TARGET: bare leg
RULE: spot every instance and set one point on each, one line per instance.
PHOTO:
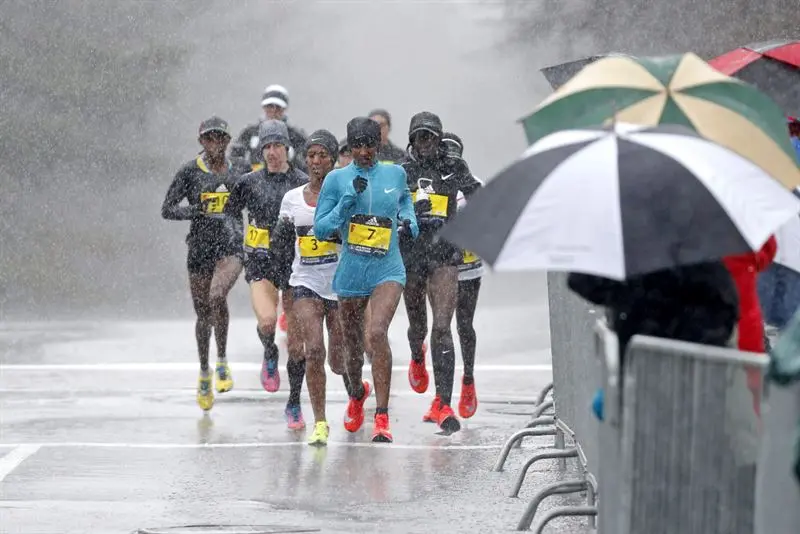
(226, 273)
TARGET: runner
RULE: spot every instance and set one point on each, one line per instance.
(344, 155)
(245, 152)
(214, 250)
(432, 264)
(470, 271)
(261, 192)
(363, 202)
(313, 265)
(388, 152)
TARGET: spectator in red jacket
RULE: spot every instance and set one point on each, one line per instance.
(744, 269)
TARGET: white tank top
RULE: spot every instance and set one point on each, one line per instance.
(315, 261)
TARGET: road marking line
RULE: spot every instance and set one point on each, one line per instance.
(13, 459)
(263, 445)
(236, 393)
(246, 366)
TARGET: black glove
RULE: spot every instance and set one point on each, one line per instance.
(422, 206)
(404, 231)
(430, 224)
(359, 184)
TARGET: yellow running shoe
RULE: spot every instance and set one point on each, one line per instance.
(319, 436)
(224, 377)
(205, 396)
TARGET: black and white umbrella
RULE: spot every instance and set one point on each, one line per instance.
(621, 201)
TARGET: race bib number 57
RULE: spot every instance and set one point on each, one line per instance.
(214, 202)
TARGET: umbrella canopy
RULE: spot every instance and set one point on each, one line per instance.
(773, 67)
(558, 75)
(621, 201)
(673, 90)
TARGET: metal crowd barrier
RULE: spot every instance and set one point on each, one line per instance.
(573, 424)
(777, 489)
(689, 441)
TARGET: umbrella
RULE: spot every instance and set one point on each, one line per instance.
(673, 90)
(773, 67)
(558, 75)
(621, 201)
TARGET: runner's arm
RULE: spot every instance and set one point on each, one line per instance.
(406, 211)
(283, 236)
(171, 208)
(329, 216)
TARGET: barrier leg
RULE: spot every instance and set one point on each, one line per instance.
(540, 421)
(517, 437)
(558, 488)
(564, 511)
(591, 498)
(560, 444)
(540, 409)
(544, 455)
(543, 394)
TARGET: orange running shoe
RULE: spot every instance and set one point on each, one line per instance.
(382, 433)
(283, 323)
(468, 403)
(354, 415)
(432, 415)
(447, 420)
(418, 374)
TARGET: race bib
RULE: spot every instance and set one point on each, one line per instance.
(369, 235)
(314, 251)
(256, 239)
(438, 204)
(214, 202)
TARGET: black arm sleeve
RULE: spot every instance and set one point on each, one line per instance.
(171, 208)
(282, 245)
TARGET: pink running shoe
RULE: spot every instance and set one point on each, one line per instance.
(270, 376)
(294, 417)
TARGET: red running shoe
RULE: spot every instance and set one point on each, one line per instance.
(432, 415)
(468, 403)
(382, 433)
(418, 374)
(447, 419)
(354, 415)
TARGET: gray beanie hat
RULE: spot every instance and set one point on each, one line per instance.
(272, 131)
(326, 140)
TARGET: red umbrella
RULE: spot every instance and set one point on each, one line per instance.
(773, 67)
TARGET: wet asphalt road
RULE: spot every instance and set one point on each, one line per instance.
(100, 433)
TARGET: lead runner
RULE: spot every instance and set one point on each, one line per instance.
(363, 202)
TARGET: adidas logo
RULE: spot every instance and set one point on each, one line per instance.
(310, 230)
(372, 222)
(222, 189)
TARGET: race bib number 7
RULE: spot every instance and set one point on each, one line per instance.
(369, 235)
(214, 202)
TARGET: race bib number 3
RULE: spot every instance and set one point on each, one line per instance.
(314, 251)
(438, 202)
(256, 238)
(369, 235)
(214, 202)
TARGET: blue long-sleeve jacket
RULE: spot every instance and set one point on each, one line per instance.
(339, 207)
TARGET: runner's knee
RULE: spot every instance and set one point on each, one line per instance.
(377, 336)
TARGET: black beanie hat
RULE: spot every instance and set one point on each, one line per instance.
(325, 139)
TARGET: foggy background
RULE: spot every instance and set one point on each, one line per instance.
(100, 104)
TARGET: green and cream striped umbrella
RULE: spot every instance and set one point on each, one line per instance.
(681, 89)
